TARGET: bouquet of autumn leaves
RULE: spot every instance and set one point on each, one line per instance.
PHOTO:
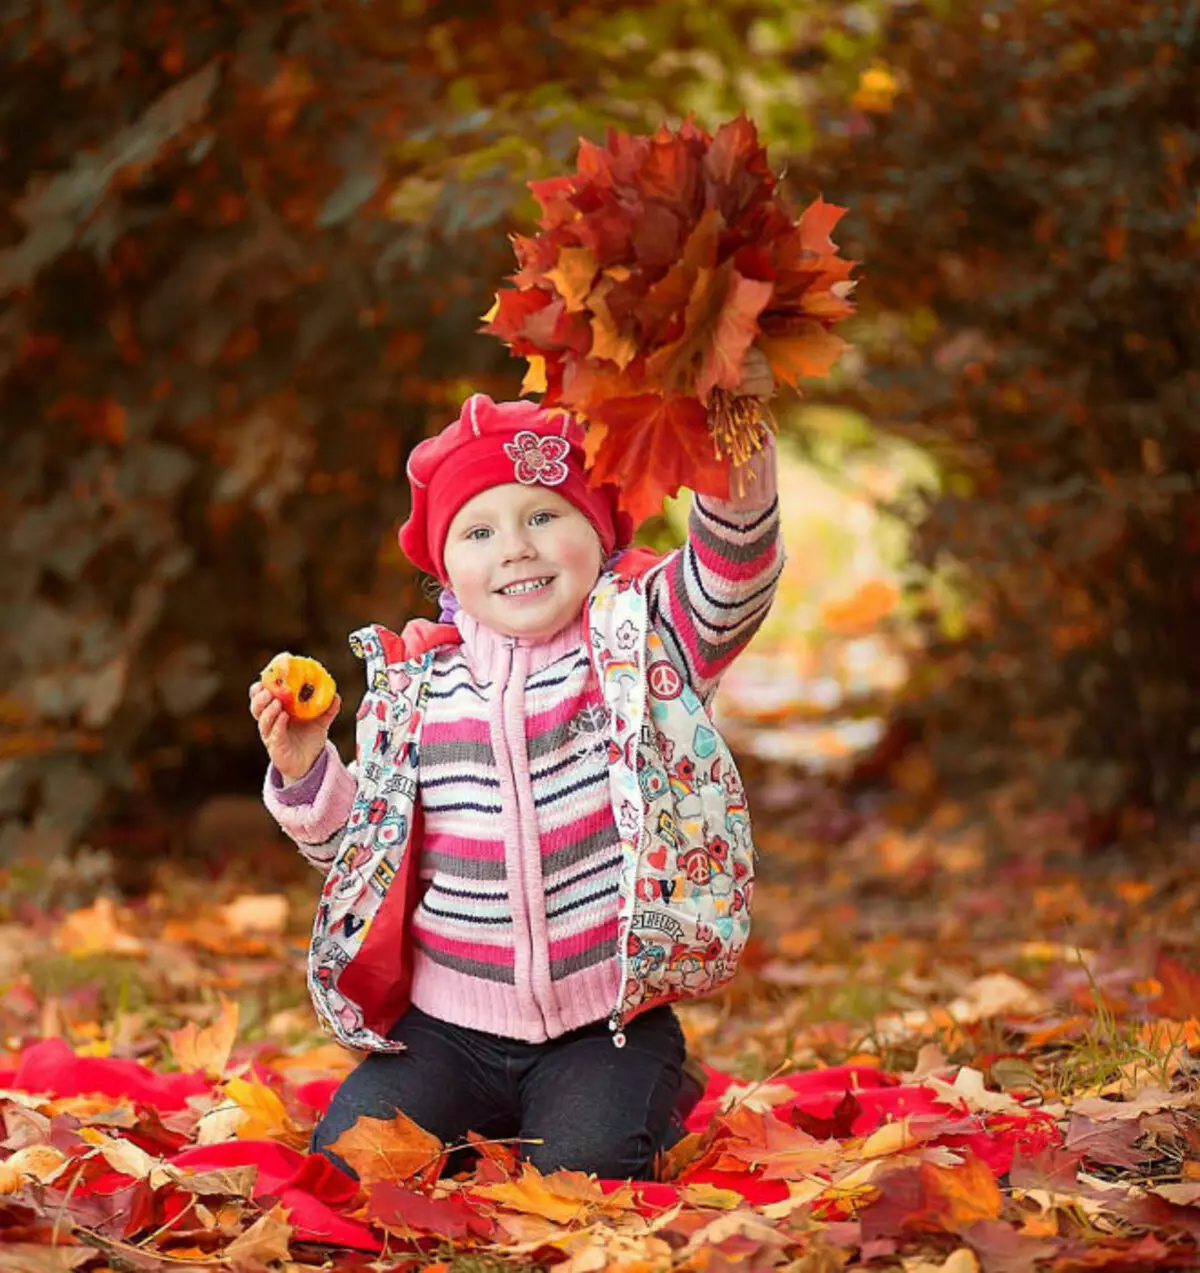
(664, 268)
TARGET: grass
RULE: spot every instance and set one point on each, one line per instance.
(1111, 1051)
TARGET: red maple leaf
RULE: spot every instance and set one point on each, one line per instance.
(649, 447)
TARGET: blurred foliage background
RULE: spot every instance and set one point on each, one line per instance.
(243, 252)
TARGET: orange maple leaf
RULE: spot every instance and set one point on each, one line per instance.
(955, 1197)
(649, 447)
(393, 1149)
(207, 1049)
(562, 1196)
(811, 350)
(816, 226)
(1180, 997)
(734, 332)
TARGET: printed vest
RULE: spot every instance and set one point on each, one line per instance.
(678, 803)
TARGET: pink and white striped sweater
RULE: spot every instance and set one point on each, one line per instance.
(515, 932)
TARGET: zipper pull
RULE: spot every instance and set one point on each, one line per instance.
(614, 1024)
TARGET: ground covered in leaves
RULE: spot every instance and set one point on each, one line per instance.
(954, 1046)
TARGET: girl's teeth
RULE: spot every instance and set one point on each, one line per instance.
(525, 587)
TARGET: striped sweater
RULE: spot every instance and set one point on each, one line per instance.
(520, 863)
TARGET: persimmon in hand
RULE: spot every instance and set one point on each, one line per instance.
(303, 687)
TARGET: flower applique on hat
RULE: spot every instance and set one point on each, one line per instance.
(537, 458)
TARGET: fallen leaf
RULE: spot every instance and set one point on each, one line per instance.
(1148, 1101)
(996, 994)
(207, 1049)
(961, 1261)
(968, 1091)
(221, 1123)
(257, 913)
(97, 930)
(406, 1213)
(394, 1150)
(839, 1124)
(1111, 1143)
(563, 1197)
(928, 1198)
(891, 1138)
(129, 1159)
(266, 1243)
(27, 1257)
(711, 1197)
(1180, 996)
(35, 1162)
(229, 1182)
(265, 1115)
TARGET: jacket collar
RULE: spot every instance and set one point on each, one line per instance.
(483, 646)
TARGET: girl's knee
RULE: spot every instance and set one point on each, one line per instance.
(609, 1154)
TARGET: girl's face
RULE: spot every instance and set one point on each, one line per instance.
(522, 560)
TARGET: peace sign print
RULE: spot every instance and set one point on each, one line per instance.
(665, 682)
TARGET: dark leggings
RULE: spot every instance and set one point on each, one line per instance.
(594, 1107)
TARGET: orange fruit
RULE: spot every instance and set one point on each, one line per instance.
(302, 685)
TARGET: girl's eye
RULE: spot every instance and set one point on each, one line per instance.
(542, 519)
(478, 532)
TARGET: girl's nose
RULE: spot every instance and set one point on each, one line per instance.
(515, 545)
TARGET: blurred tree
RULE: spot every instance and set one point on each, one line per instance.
(1025, 187)
(243, 250)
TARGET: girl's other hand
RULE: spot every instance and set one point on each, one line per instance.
(292, 745)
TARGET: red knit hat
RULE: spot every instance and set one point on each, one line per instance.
(492, 444)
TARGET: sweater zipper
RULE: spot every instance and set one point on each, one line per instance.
(616, 1018)
(510, 644)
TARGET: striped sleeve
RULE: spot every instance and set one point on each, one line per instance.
(316, 823)
(712, 595)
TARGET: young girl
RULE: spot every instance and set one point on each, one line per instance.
(544, 841)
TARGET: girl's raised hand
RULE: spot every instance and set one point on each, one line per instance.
(758, 380)
(293, 745)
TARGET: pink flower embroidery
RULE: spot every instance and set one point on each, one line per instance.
(538, 459)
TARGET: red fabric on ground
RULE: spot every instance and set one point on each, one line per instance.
(317, 1195)
(51, 1067)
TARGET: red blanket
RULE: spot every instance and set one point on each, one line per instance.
(317, 1195)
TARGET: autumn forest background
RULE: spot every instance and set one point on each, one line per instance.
(244, 252)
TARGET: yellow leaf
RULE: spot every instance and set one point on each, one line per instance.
(207, 1049)
(703, 1194)
(961, 1261)
(607, 342)
(96, 930)
(495, 309)
(266, 1118)
(876, 90)
(535, 376)
(395, 1149)
(891, 1138)
(561, 1197)
(573, 276)
(796, 943)
(34, 1162)
(256, 913)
